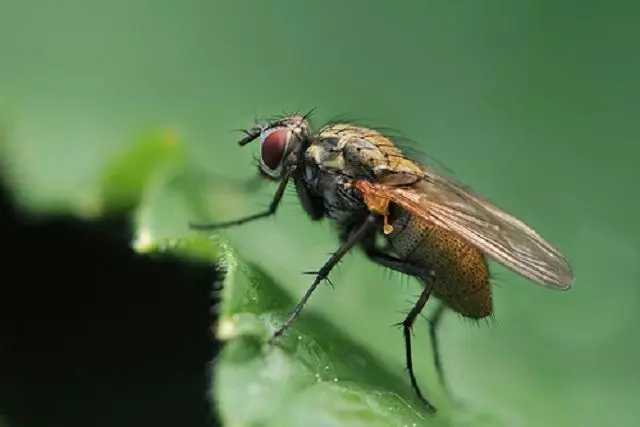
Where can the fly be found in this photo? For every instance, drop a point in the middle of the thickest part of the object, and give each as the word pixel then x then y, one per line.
pixel 436 230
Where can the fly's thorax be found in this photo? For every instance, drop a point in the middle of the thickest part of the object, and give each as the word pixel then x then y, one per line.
pixel 364 153
pixel 342 205
pixel 461 270
pixel 329 151
pixel 326 156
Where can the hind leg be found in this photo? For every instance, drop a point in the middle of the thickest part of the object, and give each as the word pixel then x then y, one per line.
pixel 381 257
pixel 407 325
pixel 434 322
pixel 426 275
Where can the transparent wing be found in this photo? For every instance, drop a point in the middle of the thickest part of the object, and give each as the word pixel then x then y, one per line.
pixel 508 240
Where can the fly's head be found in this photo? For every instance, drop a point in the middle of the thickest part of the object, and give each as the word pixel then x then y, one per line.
pixel 281 143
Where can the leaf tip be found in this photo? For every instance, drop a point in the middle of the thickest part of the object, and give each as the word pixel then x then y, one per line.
pixel 144 241
pixel 227 329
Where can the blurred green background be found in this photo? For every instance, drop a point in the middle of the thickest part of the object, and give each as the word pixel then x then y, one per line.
pixel 534 104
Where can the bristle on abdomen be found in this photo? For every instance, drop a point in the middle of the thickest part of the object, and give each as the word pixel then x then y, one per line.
pixel 461 270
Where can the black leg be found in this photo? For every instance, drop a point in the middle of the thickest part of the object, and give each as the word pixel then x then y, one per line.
pixel 380 257
pixel 394 263
pixel 434 322
pixel 407 324
pixel 350 242
pixel 273 207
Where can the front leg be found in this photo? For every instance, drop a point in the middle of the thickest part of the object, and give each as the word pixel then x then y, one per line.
pixel 273 207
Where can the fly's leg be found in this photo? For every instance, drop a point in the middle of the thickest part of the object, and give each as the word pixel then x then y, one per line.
pixel 273 207
pixel 396 264
pixel 407 324
pixel 399 265
pixel 381 257
pixel 353 239
pixel 434 322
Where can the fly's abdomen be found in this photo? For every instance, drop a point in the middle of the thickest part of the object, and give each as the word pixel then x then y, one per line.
pixel 461 271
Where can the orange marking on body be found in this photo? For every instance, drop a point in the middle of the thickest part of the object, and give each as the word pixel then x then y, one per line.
pixel 376 204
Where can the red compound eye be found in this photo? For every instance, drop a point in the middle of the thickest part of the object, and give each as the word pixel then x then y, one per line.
pixel 273 146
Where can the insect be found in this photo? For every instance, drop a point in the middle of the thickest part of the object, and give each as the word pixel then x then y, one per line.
pixel 436 229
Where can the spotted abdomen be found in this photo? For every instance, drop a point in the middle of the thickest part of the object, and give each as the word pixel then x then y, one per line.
pixel 461 270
